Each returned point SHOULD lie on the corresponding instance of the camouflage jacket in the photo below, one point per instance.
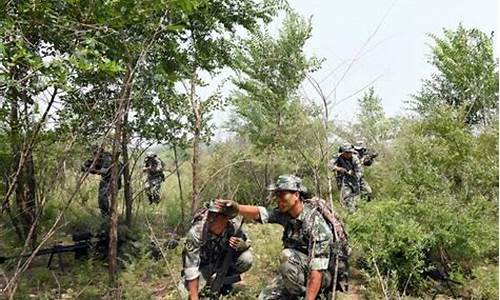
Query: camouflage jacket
(308, 233)
(353, 164)
(203, 248)
(155, 166)
(102, 162)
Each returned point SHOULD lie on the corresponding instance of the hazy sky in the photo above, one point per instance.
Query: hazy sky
(397, 52)
(395, 57)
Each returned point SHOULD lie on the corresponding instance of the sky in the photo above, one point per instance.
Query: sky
(393, 57)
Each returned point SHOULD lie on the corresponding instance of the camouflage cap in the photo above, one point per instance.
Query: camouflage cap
(346, 147)
(217, 210)
(287, 183)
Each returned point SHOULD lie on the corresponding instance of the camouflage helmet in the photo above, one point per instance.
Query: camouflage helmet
(288, 183)
(150, 154)
(212, 208)
(360, 145)
(346, 147)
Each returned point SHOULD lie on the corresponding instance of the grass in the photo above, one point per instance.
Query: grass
(143, 277)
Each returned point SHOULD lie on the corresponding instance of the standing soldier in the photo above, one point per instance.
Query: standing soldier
(101, 164)
(310, 254)
(366, 158)
(349, 174)
(154, 167)
(208, 242)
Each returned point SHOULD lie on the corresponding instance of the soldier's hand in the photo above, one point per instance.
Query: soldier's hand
(238, 244)
(229, 206)
(341, 170)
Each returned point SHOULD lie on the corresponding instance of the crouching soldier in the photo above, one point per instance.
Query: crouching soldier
(208, 242)
(314, 240)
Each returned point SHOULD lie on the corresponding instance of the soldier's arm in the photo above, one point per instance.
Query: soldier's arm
(321, 237)
(331, 164)
(192, 260)
(249, 211)
(358, 169)
(193, 287)
(257, 213)
(313, 284)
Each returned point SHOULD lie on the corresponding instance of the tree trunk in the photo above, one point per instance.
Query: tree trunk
(26, 197)
(127, 186)
(181, 196)
(121, 109)
(327, 151)
(195, 104)
(25, 181)
(113, 214)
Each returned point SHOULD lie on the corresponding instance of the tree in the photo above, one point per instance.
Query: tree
(372, 125)
(270, 71)
(208, 38)
(466, 77)
(268, 109)
(33, 75)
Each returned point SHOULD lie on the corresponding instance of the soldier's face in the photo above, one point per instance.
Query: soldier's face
(286, 200)
(217, 223)
(347, 155)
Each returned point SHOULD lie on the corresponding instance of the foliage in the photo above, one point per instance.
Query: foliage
(270, 71)
(372, 125)
(466, 78)
(435, 184)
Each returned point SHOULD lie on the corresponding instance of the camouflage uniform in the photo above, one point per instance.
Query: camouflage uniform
(154, 168)
(103, 162)
(203, 251)
(365, 160)
(307, 240)
(349, 184)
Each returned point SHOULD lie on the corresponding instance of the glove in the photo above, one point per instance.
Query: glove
(238, 244)
(230, 207)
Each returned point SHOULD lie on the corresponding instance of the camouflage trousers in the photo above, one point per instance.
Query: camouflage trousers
(291, 282)
(349, 192)
(103, 197)
(153, 189)
(242, 264)
(365, 189)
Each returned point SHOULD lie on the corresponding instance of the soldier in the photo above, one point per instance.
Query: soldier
(212, 233)
(308, 241)
(349, 174)
(101, 164)
(366, 158)
(154, 168)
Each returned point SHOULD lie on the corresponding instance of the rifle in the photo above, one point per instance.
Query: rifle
(222, 276)
(339, 178)
(82, 243)
(368, 159)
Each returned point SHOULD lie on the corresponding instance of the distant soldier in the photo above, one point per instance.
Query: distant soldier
(313, 249)
(101, 164)
(349, 173)
(212, 233)
(366, 158)
(154, 167)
